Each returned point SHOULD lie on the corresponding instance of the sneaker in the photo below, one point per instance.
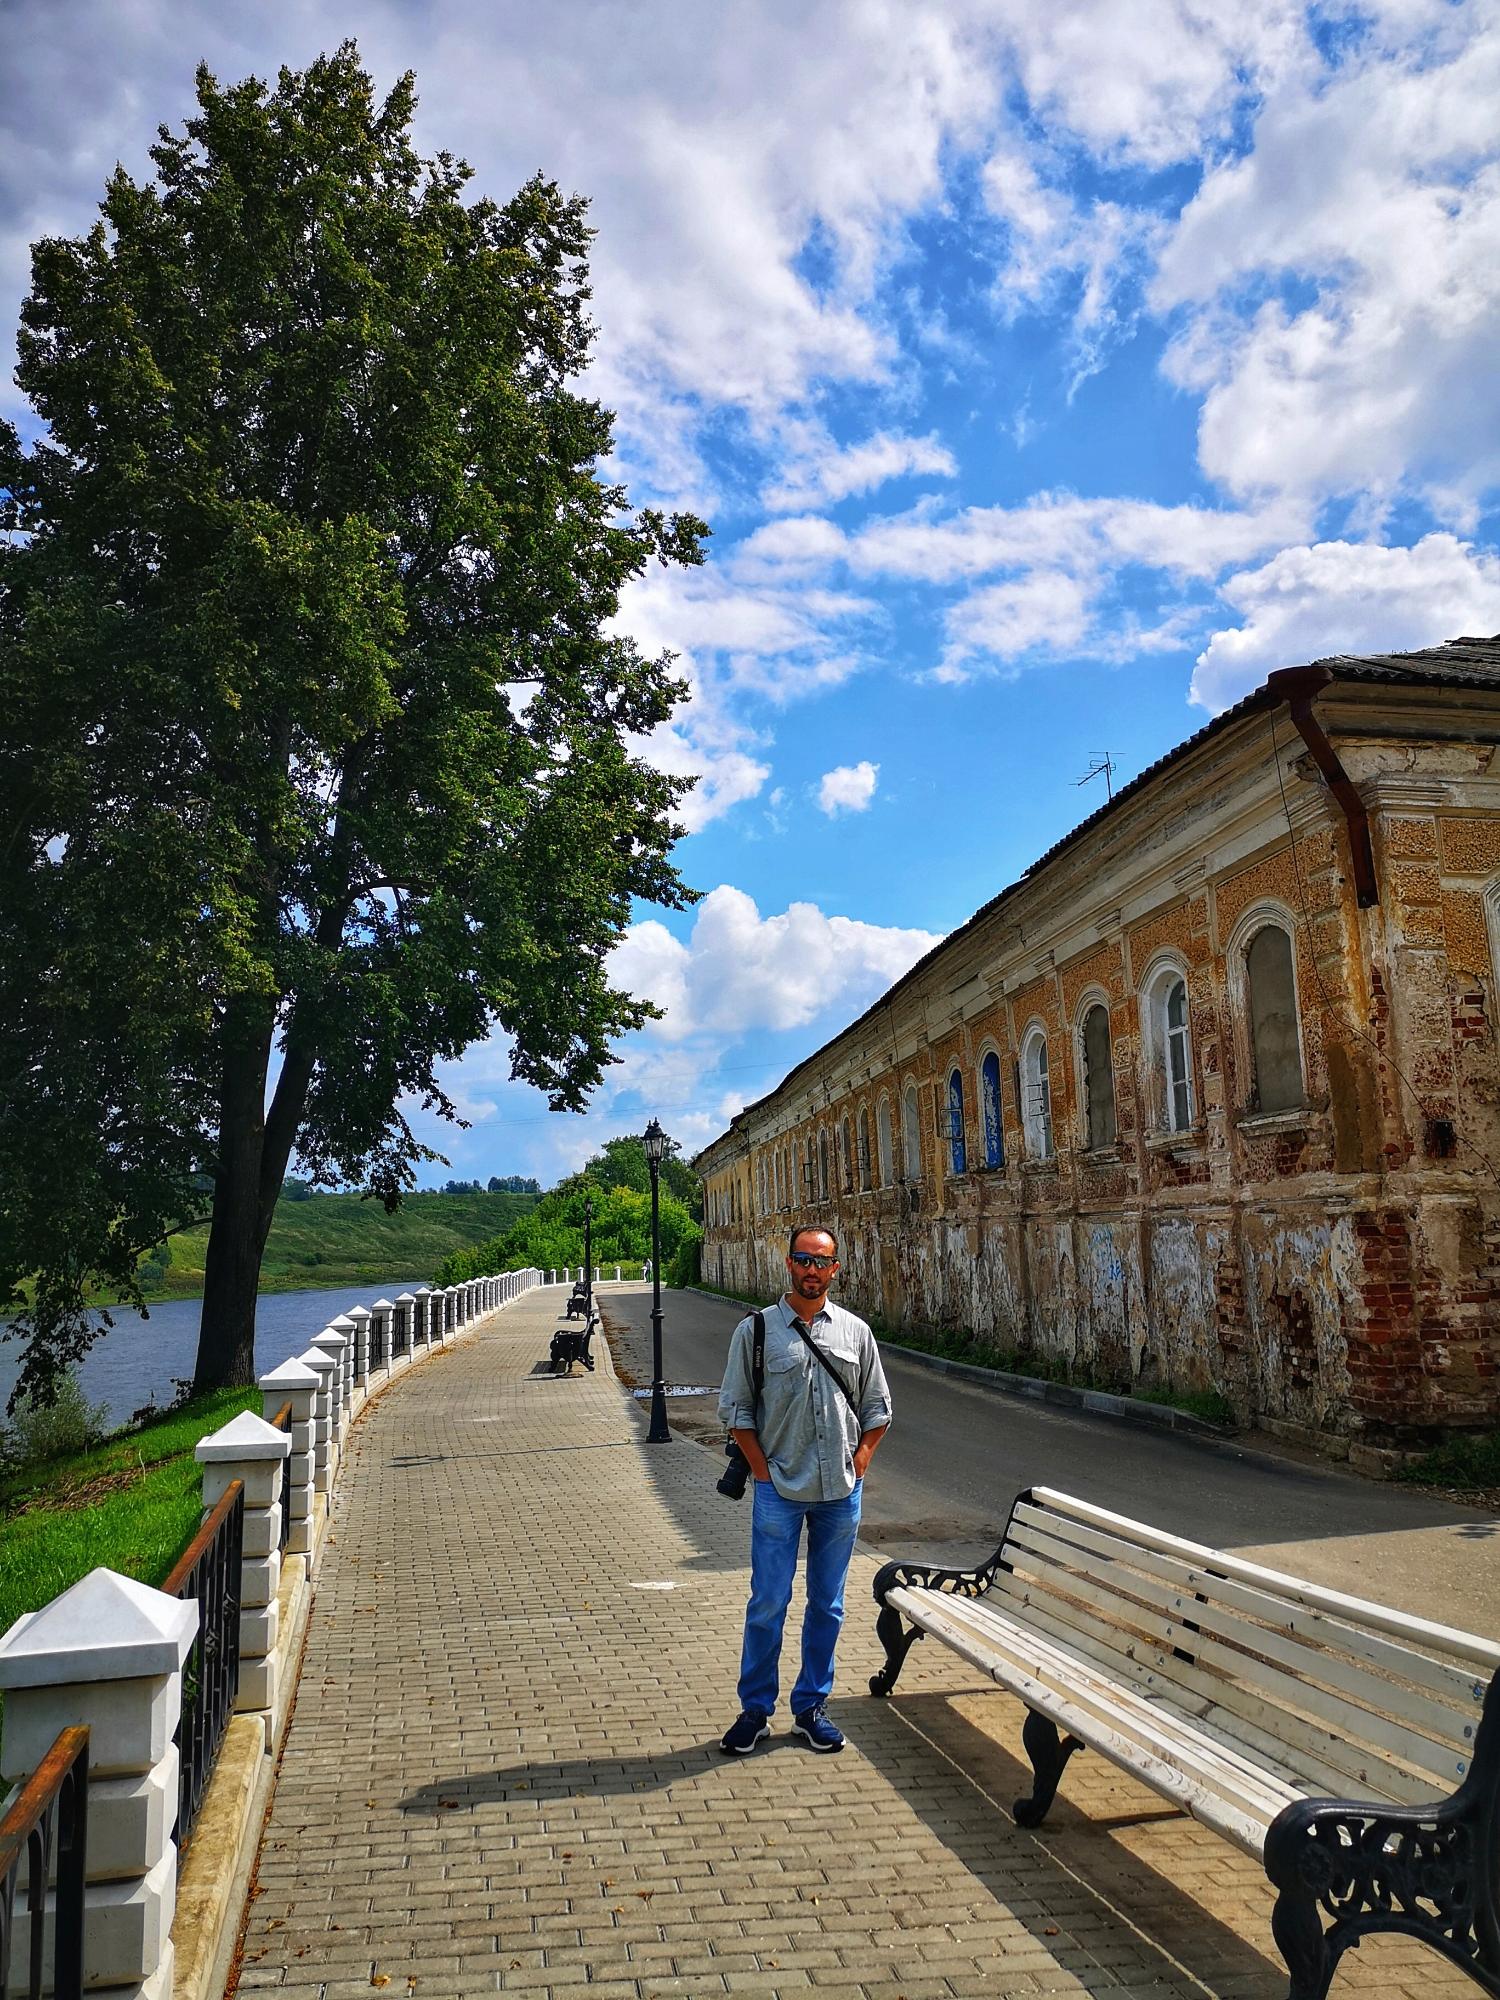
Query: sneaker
(742, 1735)
(821, 1735)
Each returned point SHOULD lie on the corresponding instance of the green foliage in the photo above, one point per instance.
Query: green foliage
(622, 1162)
(295, 1190)
(552, 1234)
(315, 726)
(1467, 1462)
(132, 1504)
(513, 1184)
(37, 1431)
(682, 1267)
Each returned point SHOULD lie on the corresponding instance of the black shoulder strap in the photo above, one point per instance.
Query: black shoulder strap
(758, 1358)
(819, 1355)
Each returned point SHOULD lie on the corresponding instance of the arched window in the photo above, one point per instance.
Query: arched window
(864, 1146)
(1098, 1079)
(883, 1147)
(911, 1134)
(1036, 1089)
(1178, 1054)
(848, 1160)
(958, 1151)
(761, 1182)
(823, 1164)
(779, 1201)
(1275, 1044)
(989, 1110)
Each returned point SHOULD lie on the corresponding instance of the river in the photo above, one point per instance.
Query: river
(140, 1360)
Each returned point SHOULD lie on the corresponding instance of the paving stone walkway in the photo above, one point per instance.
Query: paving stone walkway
(502, 1772)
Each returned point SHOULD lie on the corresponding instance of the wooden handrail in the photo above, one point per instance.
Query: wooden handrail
(195, 1548)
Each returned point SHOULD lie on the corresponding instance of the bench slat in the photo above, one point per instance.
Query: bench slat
(1222, 1766)
(1297, 1747)
(1378, 1617)
(1305, 1661)
(1453, 1685)
(1246, 1830)
(1400, 1745)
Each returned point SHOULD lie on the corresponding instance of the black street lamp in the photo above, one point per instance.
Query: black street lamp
(588, 1256)
(655, 1142)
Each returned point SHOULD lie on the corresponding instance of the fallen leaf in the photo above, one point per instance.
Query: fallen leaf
(380, 1979)
(645, 1894)
(1049, 1930)
(618, 1910)
(609, 1881)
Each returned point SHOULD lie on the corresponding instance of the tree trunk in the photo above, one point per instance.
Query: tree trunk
(241, 1221)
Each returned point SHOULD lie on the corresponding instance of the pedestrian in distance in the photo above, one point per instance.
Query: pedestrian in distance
(808, 1438)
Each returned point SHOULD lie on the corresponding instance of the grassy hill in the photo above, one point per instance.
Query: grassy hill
(342, 1239)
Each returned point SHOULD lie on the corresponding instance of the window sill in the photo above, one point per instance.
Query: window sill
(1191, 1139)
(1102, 1156)
(1259, 1123)
(1047, 1166)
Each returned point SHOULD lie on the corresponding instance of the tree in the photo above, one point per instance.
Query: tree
(621, 1162)
(315, 729)
(552, 1234)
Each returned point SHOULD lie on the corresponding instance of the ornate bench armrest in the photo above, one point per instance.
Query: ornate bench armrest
(928, 1576)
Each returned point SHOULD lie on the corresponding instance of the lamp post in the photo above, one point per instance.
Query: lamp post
(655, 1143)
(588, 1256)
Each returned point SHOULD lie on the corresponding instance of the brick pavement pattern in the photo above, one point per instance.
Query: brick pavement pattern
(502, 1774)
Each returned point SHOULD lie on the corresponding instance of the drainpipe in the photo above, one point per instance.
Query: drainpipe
(1297, 687)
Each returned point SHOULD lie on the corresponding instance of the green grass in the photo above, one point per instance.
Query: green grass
(342, 1239)
(1465, 1462)
(132, 1504)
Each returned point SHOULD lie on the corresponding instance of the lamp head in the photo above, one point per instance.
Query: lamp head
(655, 1142)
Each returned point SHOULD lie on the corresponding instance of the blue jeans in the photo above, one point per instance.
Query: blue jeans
(775, 1535)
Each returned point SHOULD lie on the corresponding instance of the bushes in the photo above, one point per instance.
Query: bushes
(37, 1431)
(682, 1267)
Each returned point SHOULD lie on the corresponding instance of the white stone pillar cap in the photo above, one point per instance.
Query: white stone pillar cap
(407, 1299)
(423, 1288)
(107, 1627)
(384, 1306)
(351, 1318)
(246, 1436)
(330, 1340)
(290, 1375)
(342, 1320)
(316, 1358)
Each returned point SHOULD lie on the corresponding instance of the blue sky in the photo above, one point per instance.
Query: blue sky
(1048, 375)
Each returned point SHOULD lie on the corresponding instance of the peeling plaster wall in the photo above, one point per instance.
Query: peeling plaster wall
(1332, 1269)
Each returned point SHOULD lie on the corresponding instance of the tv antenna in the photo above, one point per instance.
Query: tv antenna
(1101, 765)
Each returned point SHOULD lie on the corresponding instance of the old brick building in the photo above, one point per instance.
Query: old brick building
(1210, 1097)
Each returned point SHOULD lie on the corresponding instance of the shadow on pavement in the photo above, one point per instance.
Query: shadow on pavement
(1165, 1928)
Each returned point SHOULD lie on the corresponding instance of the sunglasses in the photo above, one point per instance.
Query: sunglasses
(806, 1257)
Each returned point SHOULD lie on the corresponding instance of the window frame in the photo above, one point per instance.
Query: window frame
(1260, 916)
(994, 1157)
(1091, 1001)
(958, 1138)
(911, 1132)
(885, 1146)
(1039, 1128)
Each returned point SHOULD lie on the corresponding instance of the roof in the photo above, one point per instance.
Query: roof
(1458, 663)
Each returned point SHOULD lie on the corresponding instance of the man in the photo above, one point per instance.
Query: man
(808, 1442)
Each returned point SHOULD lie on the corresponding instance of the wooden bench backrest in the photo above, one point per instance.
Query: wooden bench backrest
(1348, 1698)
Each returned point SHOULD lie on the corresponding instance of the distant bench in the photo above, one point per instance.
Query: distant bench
(570, 1344)
(1355, 1751)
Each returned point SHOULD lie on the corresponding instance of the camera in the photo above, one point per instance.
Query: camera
(736, 1475)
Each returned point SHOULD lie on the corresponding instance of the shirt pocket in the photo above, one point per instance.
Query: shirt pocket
(781, 1361)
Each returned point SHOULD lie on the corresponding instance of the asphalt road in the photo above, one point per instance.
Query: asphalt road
(957, 1454)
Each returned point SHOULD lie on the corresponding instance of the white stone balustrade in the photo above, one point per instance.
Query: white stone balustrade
(109, 1654)
(403, 1322)
(421, 1318)
(249, 1449)
(295, 1383)
(316, 1358)
(345, 1325)
(335, 1342)
(358, 1318)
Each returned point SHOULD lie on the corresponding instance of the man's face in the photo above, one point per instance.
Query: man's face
(808, 1281)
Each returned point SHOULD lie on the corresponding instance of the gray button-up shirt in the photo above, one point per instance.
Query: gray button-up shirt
(806, 1428)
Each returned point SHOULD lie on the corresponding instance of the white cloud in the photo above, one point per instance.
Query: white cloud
(1350, 598)
(849, 788)
(1045, 612)
(1369, 208)
(740, 971)
(825, 472)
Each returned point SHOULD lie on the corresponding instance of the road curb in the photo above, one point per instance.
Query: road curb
(1062, 1395)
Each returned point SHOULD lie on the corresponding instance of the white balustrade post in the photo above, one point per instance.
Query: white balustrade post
(403, 1328)
(295, 1383)
(323, 1362)
(617, 1274)
(421, 1323)
(359, 1318)
(335, 1344)
(109, 1654)
(343, 1324)
(249, 1449)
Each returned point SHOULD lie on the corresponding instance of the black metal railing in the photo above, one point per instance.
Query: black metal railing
(282, 1421)
(378, 1338)
(47, 1828)
(209, 1571)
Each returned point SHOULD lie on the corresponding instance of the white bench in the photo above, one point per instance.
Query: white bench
(1355, 1751)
